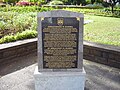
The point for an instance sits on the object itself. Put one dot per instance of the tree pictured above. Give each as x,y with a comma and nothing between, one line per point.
112,3
92,1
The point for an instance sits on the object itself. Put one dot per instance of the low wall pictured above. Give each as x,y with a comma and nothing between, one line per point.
65,6
105,54
17,49
70,6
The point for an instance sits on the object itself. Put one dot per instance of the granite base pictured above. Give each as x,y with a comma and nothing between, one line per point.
59,80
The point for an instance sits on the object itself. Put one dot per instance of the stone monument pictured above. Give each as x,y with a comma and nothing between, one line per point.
60,51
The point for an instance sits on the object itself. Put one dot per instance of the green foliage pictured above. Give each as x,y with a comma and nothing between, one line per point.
66,1
11,1
94,1
98,1
117,7
112,3
2,25
98,12
78,2
18,23
88,1
19,36
26,34
105,4
25,9
38,1
46,9
15,22
108,11
95,6
6,39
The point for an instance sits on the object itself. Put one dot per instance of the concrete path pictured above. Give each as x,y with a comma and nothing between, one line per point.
18,75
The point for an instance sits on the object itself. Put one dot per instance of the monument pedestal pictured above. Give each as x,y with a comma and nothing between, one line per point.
59,80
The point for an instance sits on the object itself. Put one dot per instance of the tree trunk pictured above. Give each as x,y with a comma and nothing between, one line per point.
112,9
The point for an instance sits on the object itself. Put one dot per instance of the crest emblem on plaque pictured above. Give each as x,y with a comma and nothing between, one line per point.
60,21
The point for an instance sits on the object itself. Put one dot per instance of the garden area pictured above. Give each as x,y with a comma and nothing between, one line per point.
18,19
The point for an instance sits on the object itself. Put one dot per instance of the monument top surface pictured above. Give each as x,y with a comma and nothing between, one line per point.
60,13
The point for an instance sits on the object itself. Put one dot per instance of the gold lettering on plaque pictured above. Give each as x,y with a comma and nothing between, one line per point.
60,64
60,45
60,21
59,29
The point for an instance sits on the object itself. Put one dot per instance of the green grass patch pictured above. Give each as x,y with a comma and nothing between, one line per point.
105,30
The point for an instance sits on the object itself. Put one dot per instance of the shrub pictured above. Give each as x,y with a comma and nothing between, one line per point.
99,12
19,22
16,20
94,6
39,2
105,4
11,1
88,1
19,36
7,38
93,1
10,24
22,22
117,6
78,2
2,25
26,34
46,9
25,9
98,1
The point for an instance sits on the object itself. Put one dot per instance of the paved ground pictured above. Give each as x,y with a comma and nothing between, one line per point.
18,75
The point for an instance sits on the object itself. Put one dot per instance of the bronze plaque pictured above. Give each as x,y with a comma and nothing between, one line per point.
60,42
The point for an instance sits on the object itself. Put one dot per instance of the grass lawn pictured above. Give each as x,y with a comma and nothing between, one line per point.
105,30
